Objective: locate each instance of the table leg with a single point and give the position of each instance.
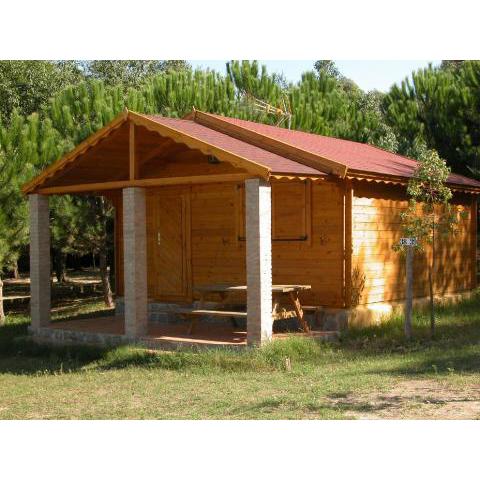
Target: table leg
(224, 296)
(299, 311)
(275, 305)
(193, 322)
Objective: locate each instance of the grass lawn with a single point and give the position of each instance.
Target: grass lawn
(369, 373)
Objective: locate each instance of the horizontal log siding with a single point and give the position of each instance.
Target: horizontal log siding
(218, 250)
(376, 227)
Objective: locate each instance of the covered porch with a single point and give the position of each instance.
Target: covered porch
(133, 160)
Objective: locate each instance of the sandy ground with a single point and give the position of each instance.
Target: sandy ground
(416, 399)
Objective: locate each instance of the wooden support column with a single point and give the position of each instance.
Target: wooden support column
(347, 244)
(39, 261)
(135, 261)
(258, 208)
(133, 160)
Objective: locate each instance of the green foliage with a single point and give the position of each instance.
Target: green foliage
(21, 139)
(429, 210)
(130, 73)
(327, 67)
(26, 85)
(429, 213)
(439, 106)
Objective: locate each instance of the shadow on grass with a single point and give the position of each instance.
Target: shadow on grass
(456, 347)
(68, 313)
(19, 354)
(323, 408)
(26, 357)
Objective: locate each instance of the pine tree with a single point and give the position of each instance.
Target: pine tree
(439, 107)
(14, 212)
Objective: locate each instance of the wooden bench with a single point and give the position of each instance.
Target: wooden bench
(195, 313)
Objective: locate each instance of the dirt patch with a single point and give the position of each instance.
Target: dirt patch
(416, 399)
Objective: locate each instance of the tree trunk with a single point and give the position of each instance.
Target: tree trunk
(15, 273)
(60, 262)
(107, 291)
(2, 313)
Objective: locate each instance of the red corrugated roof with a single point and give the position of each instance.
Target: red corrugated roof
(356, 156)
(276, 163)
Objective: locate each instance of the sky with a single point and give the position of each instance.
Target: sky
(367, 74)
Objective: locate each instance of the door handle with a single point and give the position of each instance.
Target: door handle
(158, 238)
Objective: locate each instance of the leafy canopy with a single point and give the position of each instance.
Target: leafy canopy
(429, 210)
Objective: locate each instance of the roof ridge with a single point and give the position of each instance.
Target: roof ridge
(319, 135)
(304, 132)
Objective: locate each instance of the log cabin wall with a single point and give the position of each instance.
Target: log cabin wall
(318, 258)
(378, 272)
(307, 243)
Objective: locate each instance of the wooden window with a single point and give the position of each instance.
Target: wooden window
(291, 211)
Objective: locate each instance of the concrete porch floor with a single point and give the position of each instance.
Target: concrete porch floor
(164, 335)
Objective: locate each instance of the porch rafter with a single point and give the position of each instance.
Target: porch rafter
(196, 143)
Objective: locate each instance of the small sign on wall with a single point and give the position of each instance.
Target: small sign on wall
(408, 242)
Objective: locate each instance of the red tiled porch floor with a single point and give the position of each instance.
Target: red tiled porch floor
(176, 333)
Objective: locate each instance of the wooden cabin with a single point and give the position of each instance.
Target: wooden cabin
(207, 190)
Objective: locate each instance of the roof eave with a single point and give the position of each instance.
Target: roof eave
(399, 180)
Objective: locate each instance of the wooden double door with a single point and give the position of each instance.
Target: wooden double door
(168, 244)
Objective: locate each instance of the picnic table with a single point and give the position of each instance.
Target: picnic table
(279, 293)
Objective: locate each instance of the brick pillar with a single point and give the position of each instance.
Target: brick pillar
(135, 261)
(258, 206)
(39, 261)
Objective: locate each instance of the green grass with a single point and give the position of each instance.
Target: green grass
(326, 380)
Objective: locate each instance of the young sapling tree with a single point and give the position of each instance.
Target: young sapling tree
(430, 214)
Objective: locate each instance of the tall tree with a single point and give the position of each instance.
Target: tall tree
(67, 226)
(130, 73)
(454, 65)
(26, 86)
(327, 67)
(440, 108)
(14, 211)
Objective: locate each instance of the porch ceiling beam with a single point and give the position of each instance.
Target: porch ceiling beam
(132, 160)
(165, 146)
(147, 182)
